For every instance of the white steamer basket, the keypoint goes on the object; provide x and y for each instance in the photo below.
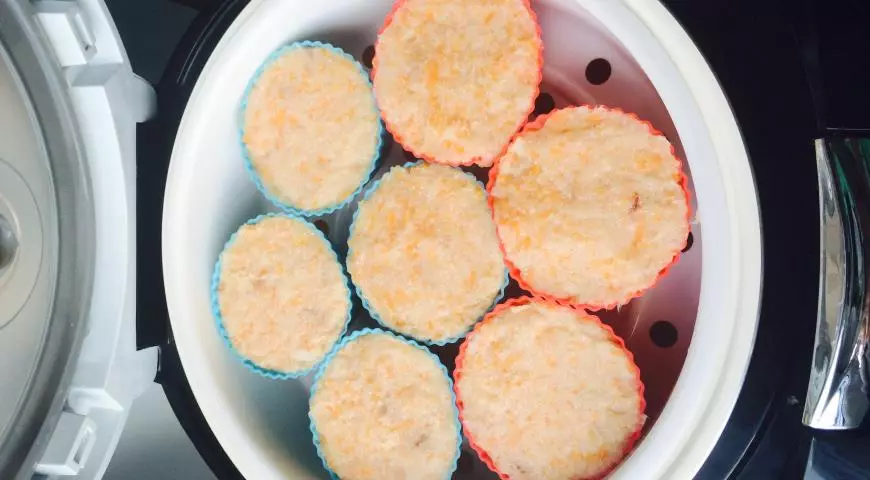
(657, 73)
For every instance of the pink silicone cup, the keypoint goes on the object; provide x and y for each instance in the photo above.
(397, 136)
(517, 274)
(582, 315)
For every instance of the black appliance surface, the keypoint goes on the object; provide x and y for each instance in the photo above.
(760, 51)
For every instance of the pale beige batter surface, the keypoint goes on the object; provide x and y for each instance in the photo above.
(282, 295)
(384, 410)
(455, 79)
(424, 252)
(548, 394)
(311, 128)
(590, 206)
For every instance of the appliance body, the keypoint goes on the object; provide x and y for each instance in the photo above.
(763, 72)
(70, 368)
(657, 73)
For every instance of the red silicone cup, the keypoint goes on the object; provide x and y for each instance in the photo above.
(385, 115)
(630, 440)
(517, 274)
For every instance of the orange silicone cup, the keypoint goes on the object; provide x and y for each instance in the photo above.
(630, 440)
(474, 160)
(517, 274)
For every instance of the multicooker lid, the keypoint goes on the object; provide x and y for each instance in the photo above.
(46, 239)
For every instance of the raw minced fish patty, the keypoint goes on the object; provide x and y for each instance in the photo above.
(455, 79)
(383, 410)
(548, 393)
(311, 127)
(283, 297)
(423, 251)
(590, 206)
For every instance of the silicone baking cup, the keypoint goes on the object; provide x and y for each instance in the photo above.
(218, 317)
(364, 300)
(517, 274)
(396, 130)
(376, 331)
(249, 165)
(582, 315)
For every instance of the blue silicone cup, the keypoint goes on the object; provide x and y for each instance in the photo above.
(216, 311)
(376, 331)
(249, 165)
(368, 306)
